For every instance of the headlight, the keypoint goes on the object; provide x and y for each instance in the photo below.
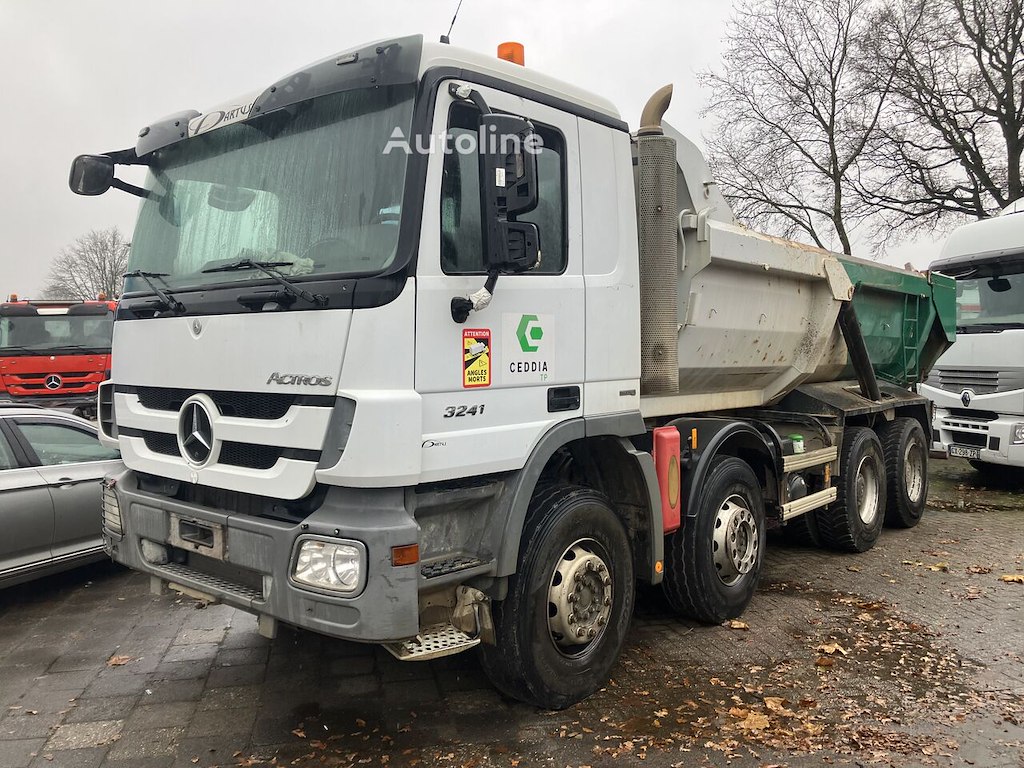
(1017, 434)
(329, 565)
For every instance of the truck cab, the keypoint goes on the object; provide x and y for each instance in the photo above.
(55, 353)
(978, 385)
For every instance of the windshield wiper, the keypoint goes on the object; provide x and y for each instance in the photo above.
(268, 268)
(78, 347)
(169, 301)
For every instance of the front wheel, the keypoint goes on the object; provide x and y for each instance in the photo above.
(713, 562)
(906, 471)
(853, 521)
(560, 629)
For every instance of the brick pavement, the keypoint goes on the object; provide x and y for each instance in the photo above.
(930, 673)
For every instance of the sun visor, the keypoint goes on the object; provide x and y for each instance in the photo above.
(384, 63)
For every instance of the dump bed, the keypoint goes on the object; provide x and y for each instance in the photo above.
(757, 316)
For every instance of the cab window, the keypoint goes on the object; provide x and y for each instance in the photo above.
(461, 222)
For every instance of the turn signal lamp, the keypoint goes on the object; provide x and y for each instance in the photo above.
(513, 52)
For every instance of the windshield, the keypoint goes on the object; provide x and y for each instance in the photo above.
(30, 334)
(312, 185)
(992, 302)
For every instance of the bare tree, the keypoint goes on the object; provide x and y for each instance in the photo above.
(795, 117)
(952, 136)
(93, 264)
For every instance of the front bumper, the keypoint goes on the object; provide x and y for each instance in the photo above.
(249, 564)
(991, 437)
(53, 401)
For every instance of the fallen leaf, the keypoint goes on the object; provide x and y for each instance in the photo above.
(740, 713)
(832, 648)
(1012, 578)
(777, 704)
(824, 661)
(755, 722)
(944, 567)
(853, 568)
(118, 661)
(299, 732)
(978, 569)
(737, 624)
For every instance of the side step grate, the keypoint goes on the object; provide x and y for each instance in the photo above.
(432, 642)
(437, 568)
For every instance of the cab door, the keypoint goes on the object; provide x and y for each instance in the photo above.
(26, 513)
(492, 386)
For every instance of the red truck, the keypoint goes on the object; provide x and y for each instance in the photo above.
(55, 353)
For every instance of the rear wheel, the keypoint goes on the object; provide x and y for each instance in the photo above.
(560, 629)
(713, 561)
(906, 471)
(853, 521)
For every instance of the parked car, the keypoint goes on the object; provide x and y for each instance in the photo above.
(51, 465)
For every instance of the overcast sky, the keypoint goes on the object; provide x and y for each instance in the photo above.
(83, 76)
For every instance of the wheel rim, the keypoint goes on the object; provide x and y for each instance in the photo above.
(867, 490)
(736, 541)
(579, 598)
(913, 470)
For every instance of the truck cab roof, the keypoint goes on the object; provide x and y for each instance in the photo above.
(405, 60)
(987, 240)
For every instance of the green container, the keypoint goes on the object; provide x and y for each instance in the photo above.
(908, 319)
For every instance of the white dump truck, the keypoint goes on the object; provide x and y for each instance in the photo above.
(978, 385)
(427, 349)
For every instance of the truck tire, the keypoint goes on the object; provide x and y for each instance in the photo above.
(713, 562)
(560, 629)
(853, 521)
(906, 471)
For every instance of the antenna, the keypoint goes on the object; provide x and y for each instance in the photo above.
(445, 38)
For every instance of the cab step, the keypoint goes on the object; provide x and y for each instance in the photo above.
(432, 642)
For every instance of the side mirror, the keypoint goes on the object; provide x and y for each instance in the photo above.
(523, 239)
(508, 187)
(91, 174)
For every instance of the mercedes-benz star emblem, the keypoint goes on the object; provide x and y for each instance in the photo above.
(965, 397)
(195, 431)
(53, 381)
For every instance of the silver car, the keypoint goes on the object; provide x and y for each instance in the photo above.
(51, 465)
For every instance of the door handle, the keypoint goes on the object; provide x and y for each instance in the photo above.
(563, 399)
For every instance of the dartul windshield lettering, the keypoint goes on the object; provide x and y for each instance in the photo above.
(219, 117)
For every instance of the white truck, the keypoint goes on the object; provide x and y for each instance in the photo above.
(355, 395)
(978, 385)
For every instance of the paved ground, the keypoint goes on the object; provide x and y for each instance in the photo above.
(910, 654)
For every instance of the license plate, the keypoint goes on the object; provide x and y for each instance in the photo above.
(200, 536)
(964, 452)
